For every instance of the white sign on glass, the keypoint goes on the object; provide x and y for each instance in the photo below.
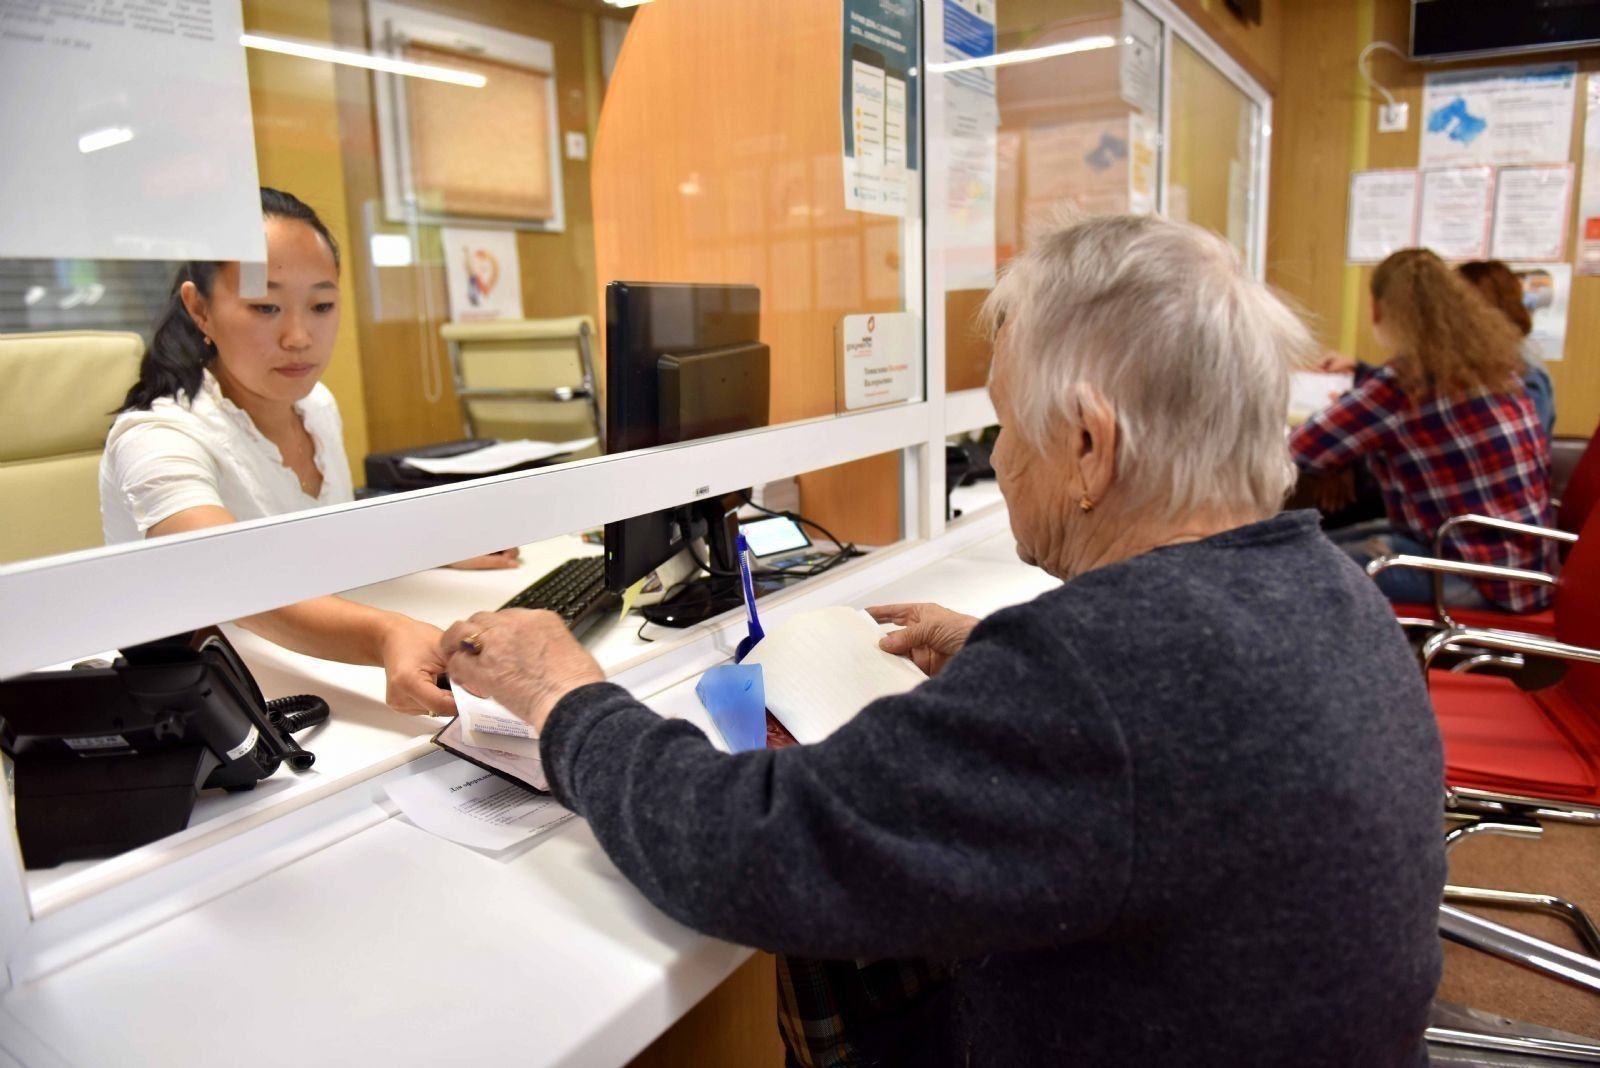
(1383, 214)
(877, 356)
(483, 274)
(1530, 212)
(1139, 59)
(1498, 116)
(127, 134)
(1457, 210)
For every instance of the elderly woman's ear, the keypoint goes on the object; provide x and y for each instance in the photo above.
(1093, 443)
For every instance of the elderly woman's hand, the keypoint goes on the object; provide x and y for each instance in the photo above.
(525, 660)
(930, 634)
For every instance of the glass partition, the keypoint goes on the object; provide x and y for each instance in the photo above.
(485, 184)
(1215, 160)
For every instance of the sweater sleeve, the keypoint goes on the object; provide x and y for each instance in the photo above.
(988, 809)
(1351, 427)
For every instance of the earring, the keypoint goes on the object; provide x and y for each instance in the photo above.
(209, 343)
(1085, 504)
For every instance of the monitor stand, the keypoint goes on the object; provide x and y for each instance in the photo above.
(709, 595)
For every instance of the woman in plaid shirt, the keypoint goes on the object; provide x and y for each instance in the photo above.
(1447, 429)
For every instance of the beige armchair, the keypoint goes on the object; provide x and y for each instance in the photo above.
(57, 393)
(526, 378)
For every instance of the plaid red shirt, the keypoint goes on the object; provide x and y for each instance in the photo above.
(1436, 458)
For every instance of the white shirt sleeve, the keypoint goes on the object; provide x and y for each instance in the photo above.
(160, 470)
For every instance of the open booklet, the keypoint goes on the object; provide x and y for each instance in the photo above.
(821, 667)
(487, 735)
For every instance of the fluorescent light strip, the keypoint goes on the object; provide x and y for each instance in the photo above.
(1026, 55)
(361, 59)
(95, 140)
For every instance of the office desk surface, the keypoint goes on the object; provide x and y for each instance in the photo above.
(392, 946)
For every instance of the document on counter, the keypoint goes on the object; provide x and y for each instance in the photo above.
(501, 456)
(1312, 391)
(474, 806)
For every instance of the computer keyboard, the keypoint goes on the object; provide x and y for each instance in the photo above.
(575, 591)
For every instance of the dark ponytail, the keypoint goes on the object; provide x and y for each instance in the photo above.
(175, 362)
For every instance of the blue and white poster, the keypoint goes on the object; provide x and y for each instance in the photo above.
(971, 130)
(879, 106)
(1505, 115)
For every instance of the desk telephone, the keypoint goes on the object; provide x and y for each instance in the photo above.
(107, 757)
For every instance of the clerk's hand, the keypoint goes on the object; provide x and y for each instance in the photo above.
(929, 636)
(496, 561)
(411, 663)
(1334, 362)
(526, 660)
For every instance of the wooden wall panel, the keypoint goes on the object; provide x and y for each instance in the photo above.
(736, 1026)
(718, 160)
(1324, 129)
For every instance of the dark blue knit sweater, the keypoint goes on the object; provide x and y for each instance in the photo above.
(1183, 810)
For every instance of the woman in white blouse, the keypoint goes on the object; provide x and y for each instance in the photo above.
(229, 421)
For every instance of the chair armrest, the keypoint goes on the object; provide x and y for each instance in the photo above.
(1507, 525)
(1509, 641)
(1440, 568)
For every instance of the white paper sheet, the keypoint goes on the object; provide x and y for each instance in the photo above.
(1383, 214)
(466, 804)
(1457, 209)
(1498, 116)
(501, 456)
(1530, 212)
(820, 668)
(485, 715)
(1312, 391)
(1589, 199)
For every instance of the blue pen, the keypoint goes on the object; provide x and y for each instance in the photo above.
(756, 633)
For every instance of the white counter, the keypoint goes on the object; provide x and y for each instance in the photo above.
(344, 935)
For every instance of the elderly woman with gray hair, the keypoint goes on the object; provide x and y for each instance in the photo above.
(1106, 812)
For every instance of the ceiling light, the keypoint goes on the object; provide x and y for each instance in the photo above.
(1026, 55)
(362, 59)
(95, 140)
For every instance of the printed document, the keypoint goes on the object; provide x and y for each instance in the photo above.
(474, 806)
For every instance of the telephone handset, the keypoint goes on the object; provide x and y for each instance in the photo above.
(109, 757)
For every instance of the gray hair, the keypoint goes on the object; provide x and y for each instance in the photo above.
(1161, 319)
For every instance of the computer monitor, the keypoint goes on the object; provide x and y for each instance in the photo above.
(683, 361)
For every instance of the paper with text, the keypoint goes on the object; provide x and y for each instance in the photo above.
(501, 456)
(1312, 391)
(466, 804)
(822, 667)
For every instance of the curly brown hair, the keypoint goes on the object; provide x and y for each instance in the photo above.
(1500, 286)
(1448, 340)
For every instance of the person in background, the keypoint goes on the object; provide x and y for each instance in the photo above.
(1446, 429)
(229, 420)
(1500, 286)
(1096, 807)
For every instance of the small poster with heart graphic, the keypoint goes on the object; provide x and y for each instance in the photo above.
(484, 276)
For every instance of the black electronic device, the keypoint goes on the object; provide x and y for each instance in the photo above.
(108, 757)
(1454, 29)
(682, 362)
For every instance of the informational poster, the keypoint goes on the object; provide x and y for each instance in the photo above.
(879, 106)
(1139, 60)
(1498, 116)
(1546, 288)
(1589, 198)
(1530, 212)
(1457, 212)
(482, 273)
(972, 126)
(877, 359)
(1382, 216)
(1144, 155)
(127, 134)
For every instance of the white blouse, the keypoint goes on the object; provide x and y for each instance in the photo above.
(187, 452)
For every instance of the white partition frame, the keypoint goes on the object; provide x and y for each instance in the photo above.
(967, 410)
(61, 608)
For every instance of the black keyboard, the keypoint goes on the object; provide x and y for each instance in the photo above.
(575, 591)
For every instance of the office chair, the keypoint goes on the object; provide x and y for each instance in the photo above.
(527, 378)
(57, 393)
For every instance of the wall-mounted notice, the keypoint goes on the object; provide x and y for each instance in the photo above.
(878, 359)
(879, 106)
(1498, 116)
(1139, 59)
(1457, 212)
(972, 127)
(1546, 288)
(1530, 212)
(1144, 174)
(1589, 198)
(1383, 214)
(483, 274)
(127, 133)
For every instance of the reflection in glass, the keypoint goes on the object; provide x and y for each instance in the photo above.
(1214, 131)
